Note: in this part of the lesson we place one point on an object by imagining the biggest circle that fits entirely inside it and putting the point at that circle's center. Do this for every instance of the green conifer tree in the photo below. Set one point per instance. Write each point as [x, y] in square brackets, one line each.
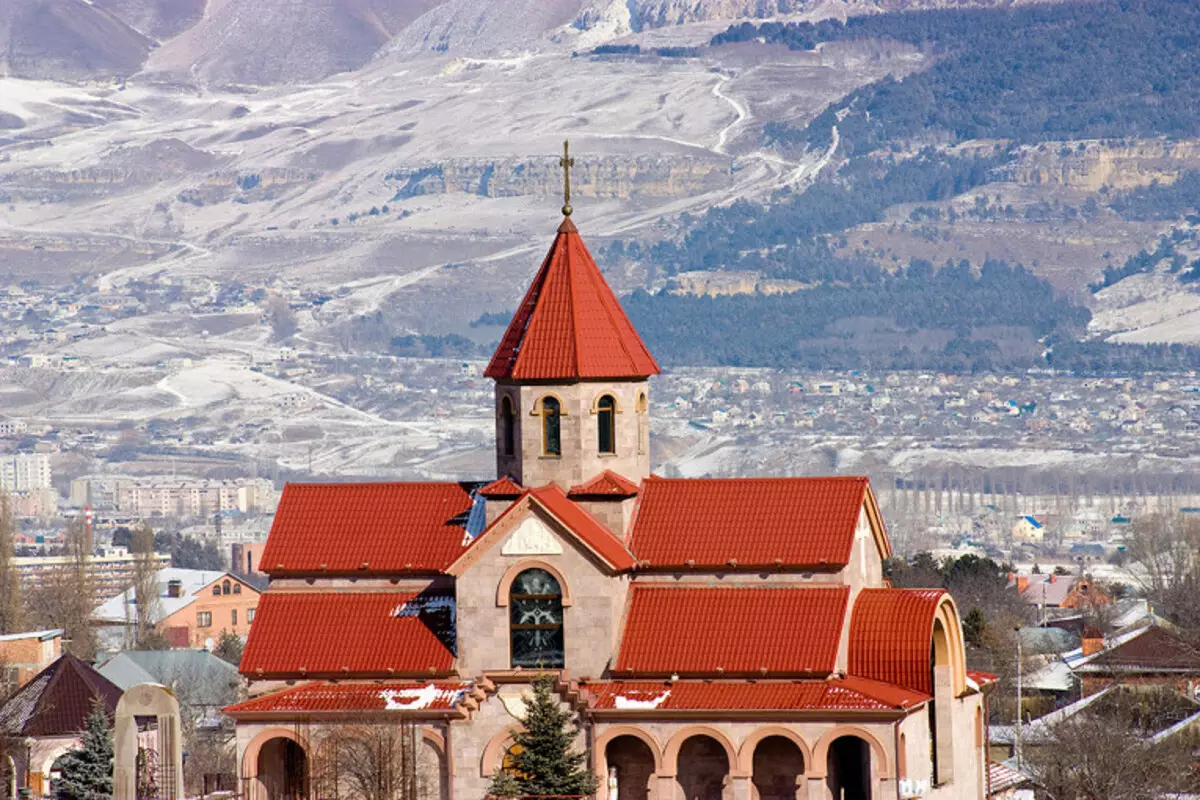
[87, 772]
[544, 760]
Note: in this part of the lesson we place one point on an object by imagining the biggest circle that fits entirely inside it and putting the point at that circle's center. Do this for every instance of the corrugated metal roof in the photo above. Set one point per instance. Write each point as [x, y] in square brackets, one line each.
[342, 697]
[374, 634]
[891, 631]
[368, 528]
[732, 630]
[767, 522]
[570, 325]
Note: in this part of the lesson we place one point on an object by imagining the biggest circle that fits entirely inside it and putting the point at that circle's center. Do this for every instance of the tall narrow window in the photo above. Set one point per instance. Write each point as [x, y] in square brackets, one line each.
[225, 588]
[535, 603]
[643, 422]
[551, 426]
[233, 616]
[508, 426]
[606, 411]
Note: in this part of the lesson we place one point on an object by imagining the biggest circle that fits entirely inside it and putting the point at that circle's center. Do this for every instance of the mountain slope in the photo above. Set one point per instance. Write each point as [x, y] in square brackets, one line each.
[67, 40]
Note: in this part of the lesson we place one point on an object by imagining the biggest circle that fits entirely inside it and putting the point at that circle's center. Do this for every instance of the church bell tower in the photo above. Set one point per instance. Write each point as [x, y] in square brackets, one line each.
[572, 374]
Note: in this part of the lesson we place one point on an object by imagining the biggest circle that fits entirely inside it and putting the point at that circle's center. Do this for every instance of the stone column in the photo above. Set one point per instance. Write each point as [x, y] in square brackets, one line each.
[665, 788]
[817, 789]
[741, 787]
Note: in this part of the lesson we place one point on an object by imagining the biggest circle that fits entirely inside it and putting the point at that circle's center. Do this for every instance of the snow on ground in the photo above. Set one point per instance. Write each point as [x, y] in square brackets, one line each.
[1153, 307]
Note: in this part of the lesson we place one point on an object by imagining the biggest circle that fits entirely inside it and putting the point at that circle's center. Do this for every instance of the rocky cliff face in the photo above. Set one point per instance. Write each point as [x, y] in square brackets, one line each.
[1090, 165]
[603, 177]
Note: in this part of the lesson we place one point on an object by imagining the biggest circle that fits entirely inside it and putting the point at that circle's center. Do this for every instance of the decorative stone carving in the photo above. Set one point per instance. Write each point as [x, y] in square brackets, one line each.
[531, 538]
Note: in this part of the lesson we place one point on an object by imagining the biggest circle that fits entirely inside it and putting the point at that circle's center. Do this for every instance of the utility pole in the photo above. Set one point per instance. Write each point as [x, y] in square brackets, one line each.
[1017, 749]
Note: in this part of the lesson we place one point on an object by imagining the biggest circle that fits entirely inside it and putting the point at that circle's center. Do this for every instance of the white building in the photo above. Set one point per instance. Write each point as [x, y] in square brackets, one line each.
[24, 472]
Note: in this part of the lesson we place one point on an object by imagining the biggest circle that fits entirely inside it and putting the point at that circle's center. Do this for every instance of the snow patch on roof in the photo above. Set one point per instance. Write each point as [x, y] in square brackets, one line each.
[426, 696]
[641, 700]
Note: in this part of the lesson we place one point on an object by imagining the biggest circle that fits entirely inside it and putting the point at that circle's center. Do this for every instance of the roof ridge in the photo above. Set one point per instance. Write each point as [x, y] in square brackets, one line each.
[571, 290]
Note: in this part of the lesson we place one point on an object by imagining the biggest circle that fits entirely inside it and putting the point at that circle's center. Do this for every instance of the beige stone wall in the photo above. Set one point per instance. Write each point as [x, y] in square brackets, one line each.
[590, 622]
[580, 459]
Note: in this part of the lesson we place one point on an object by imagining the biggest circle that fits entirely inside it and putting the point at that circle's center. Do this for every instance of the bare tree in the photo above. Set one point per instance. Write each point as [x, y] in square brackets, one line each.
[11, 610]
[373, 762]
[67, 596]
[145, 586]
[1164, 550]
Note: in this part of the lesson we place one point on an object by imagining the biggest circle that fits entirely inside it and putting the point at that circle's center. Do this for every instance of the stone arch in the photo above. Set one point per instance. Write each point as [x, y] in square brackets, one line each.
[778, 769]
[617, 407]
[955, 651]
[145, 700]
[536, 410]
[505, 586]
[436, 745]
[54, 755]
[638, 733]
[746, 753]
[670, 762]
[880, 765]
[493, 752]
[250, 755]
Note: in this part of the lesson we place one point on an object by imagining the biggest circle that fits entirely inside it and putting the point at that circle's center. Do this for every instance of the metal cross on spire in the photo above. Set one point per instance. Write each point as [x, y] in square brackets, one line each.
[566, 162]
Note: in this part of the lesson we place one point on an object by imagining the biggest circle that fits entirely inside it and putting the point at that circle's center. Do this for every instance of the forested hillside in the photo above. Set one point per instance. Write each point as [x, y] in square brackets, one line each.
[1013, 77]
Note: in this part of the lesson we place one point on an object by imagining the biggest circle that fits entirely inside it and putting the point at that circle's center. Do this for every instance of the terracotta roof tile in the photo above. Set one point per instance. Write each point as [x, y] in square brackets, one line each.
[597, 537]
[732, 630]
[851, 694]
[367, 528]
[503, 487]
[890, 635]
[570, 325]
[390, 696]
[794, 522]
[606, 484]
[350, 633]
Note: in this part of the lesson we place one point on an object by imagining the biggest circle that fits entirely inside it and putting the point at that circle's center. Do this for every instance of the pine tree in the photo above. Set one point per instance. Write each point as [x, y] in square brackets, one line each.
[504, 784]
[87, 772]
[543, 757]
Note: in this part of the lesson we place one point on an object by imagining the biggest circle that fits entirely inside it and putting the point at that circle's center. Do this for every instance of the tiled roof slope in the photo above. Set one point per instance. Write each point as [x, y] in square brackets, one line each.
[606, 484]
[890, 635]
[769, 522]
[845, 694]
[503, 487]
[58, 700]
[390, 696]
[727, 630]
[347, 634]
[570, 325]
[1148, 649]
[328, 528]
[597, 537]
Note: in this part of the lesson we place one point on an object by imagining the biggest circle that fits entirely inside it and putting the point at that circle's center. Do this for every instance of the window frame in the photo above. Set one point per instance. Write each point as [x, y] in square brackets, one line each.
[606, 417]
[514, 604]
[551, 417]
[233, 617]
[203, 619]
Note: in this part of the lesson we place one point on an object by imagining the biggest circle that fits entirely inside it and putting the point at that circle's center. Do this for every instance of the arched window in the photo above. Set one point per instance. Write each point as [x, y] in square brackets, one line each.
[606, 410]
[551, 426]
[216, 590]
[643, 422]
[535, 600]
[237, 588]
[508, 427]
[225, 588]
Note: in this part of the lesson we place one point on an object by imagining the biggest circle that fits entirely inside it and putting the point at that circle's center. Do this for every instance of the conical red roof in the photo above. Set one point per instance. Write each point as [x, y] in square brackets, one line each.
[570, 325]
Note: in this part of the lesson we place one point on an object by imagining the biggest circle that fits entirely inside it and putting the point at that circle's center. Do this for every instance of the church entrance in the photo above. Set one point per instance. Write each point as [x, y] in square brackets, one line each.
[703, 769]
[283, 769]
[778, 768]
[849, 769]
[633, 763]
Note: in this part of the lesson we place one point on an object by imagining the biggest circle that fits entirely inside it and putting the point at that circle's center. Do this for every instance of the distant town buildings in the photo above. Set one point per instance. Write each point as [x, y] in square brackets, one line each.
[24, 472]
[164, 497]
[110, 574]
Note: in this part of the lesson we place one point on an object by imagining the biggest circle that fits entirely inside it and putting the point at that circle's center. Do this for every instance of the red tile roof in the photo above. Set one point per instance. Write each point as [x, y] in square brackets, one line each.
[761, 522]
[504, 487]
[890, 635]
[606, 484]
[58, 700]
[848, 694]
[348, 634]
[982, 678]
[570, 325]
[362, 528]
[390, 696]
[597, 537]
[732, 630]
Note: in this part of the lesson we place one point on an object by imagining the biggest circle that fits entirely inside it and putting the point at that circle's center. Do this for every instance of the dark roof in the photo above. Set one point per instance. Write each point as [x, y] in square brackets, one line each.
[1154, 648]
[58, 700]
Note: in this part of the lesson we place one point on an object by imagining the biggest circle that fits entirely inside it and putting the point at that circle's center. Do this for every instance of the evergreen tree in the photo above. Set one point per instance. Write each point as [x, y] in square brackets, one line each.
[504, 784]
[87, 772]
[543, 757]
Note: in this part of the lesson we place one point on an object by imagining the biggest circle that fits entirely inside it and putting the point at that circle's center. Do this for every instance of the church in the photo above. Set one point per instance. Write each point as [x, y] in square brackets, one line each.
[717, 639]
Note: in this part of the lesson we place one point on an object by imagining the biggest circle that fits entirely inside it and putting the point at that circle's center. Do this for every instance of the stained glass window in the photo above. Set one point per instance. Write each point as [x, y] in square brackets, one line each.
[551, 426]
[535, 602]
[605, 419]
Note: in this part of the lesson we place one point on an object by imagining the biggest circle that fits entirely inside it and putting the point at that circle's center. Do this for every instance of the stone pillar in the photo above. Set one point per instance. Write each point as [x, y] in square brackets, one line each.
[818, 789]
[147, 699]
[886, 787]
[741, 787]
[666, 788]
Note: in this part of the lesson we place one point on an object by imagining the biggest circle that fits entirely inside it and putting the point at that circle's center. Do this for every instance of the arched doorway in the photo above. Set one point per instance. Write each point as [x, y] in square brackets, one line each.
[632, 762]
[778, 768]
[283, 769]
[702, 769]
[941, 722]
[848, 767]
